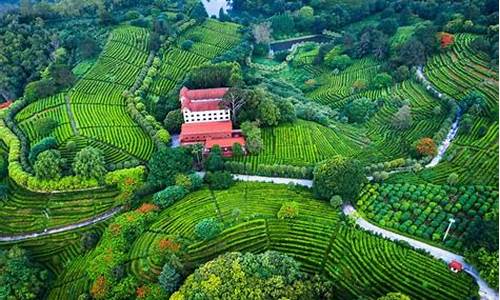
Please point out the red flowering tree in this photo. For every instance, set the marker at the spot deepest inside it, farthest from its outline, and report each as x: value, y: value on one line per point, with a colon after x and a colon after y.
x: 426, y: 147
x: 446, y: 40
x: 100, y: 288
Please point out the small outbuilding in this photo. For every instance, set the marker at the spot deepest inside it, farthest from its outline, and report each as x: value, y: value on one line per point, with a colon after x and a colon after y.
x: 455, y: 266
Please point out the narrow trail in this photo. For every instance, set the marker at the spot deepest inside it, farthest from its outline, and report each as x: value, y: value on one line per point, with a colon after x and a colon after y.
x: 71, y: 116
x: 97, y: 219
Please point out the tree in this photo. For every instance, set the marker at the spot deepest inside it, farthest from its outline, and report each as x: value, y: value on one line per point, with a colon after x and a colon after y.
x: 426, y: 147
x: 237, y: 150
x: 199, y: 13
x: 288, y: 210
x: 169, y: 196
x: 382, y: 80
x: 262, y: 33
x: 235, y: 99
x: 89, y: 240
x: 89, y: 163
x: 402, y: 119
x: 452, y: 179
x: 214, y: 161
x: 208, y: 228
x: 268, y: 112
x: 43, y: 145
x: 257, y: 274
x: 288, y: 114
x: 48, y: 165
x: 252, y: 133
x: 336, y: 201
x: 338, y: 176
x: 340, y: 62
x: 173, y: 121
x: 466, y: 124
x: 166, y: 163
x: 62, y: 75
x: 187, y: 45
x: 388, y: 26
x: 20, y: 278
x: 169, y: 278
x: 359, y: 110
x: 45, y: 126
x: 394, y: 296
x: 4, y: 192
x: 219, y: 180
x: 163, y: 136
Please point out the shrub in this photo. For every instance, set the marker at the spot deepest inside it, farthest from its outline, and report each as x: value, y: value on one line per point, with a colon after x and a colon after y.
x: 187, y: 45
x: 219, y: 180
x: 336, y: 201
x: 288, y: 210
x: 452, y: 179
x: 338, y: 176
x: 169, y: 279
x: 426, y: 147
x: 89, y: 163
x: 48, y: 165
x: 208, y: 228
x: 163, y: 136
x: 169, y: 195
x: 43, y: 145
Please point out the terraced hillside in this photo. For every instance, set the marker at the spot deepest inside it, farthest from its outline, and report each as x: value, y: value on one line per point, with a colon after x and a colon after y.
x: 474, y: 154
x: 93, y: 112
x: 305, y: 143
x: 360, y: 265
x: 25, y: 211
x: 210, y: 39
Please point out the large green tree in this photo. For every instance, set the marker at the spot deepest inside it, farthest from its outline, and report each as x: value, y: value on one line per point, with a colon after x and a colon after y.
x: 253, y: 276
x: 20, y: 278
x: 89, y: 163
x: 166, y: 163
x: 48, y: 165
x: 338, y: 176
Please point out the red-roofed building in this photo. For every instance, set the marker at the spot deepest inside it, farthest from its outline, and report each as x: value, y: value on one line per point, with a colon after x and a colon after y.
x: 5, y: 104
x: 206, y: 121
x: 455, y: 266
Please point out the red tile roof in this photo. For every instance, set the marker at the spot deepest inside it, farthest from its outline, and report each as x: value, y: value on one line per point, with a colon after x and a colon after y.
x: 5, y: 104
x: 224, y: 142
x: 202, y: 99
x: 206, y: 127
x: 455, y: 265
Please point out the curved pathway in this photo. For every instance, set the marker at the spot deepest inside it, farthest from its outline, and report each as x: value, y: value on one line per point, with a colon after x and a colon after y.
x: 484, y: 290
x: 97, y: 219
x: 454, y: 127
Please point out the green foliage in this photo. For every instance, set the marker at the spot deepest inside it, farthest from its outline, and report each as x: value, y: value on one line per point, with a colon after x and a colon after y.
x: 173, y: 121
x: 89, y: 163
x: 338, y: 176
x: 336, y: 201
x: 169, y: 279
x: 487, y: 264
x: 214, y: 75
x: 169, y: 196
x: 252, y: 133
x: 253, y: 276
x: 187, y: 44
x: 48, y: 165
x: 359, y: 110
x: 214, y: 161
x: 208, y: 228
x: 163, y: 136
x: 452, y: 179
x: 340, y: 62
x: 381, y: 80
x: 237, y: 150
x: 288, y: 210
x: 127, y: 180
x: 394, y: 296
x: 20, y: 278
x: 268, y: 113
x: 166, y: 163
x: 45, y: 126
x: 219, y: 180
x: 3, y: 167
x: 43, y: 145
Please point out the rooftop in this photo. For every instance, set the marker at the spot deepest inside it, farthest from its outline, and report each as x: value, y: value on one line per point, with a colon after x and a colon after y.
x: 206, y: 127
x: 229, y: 142
x: 202, y: 99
